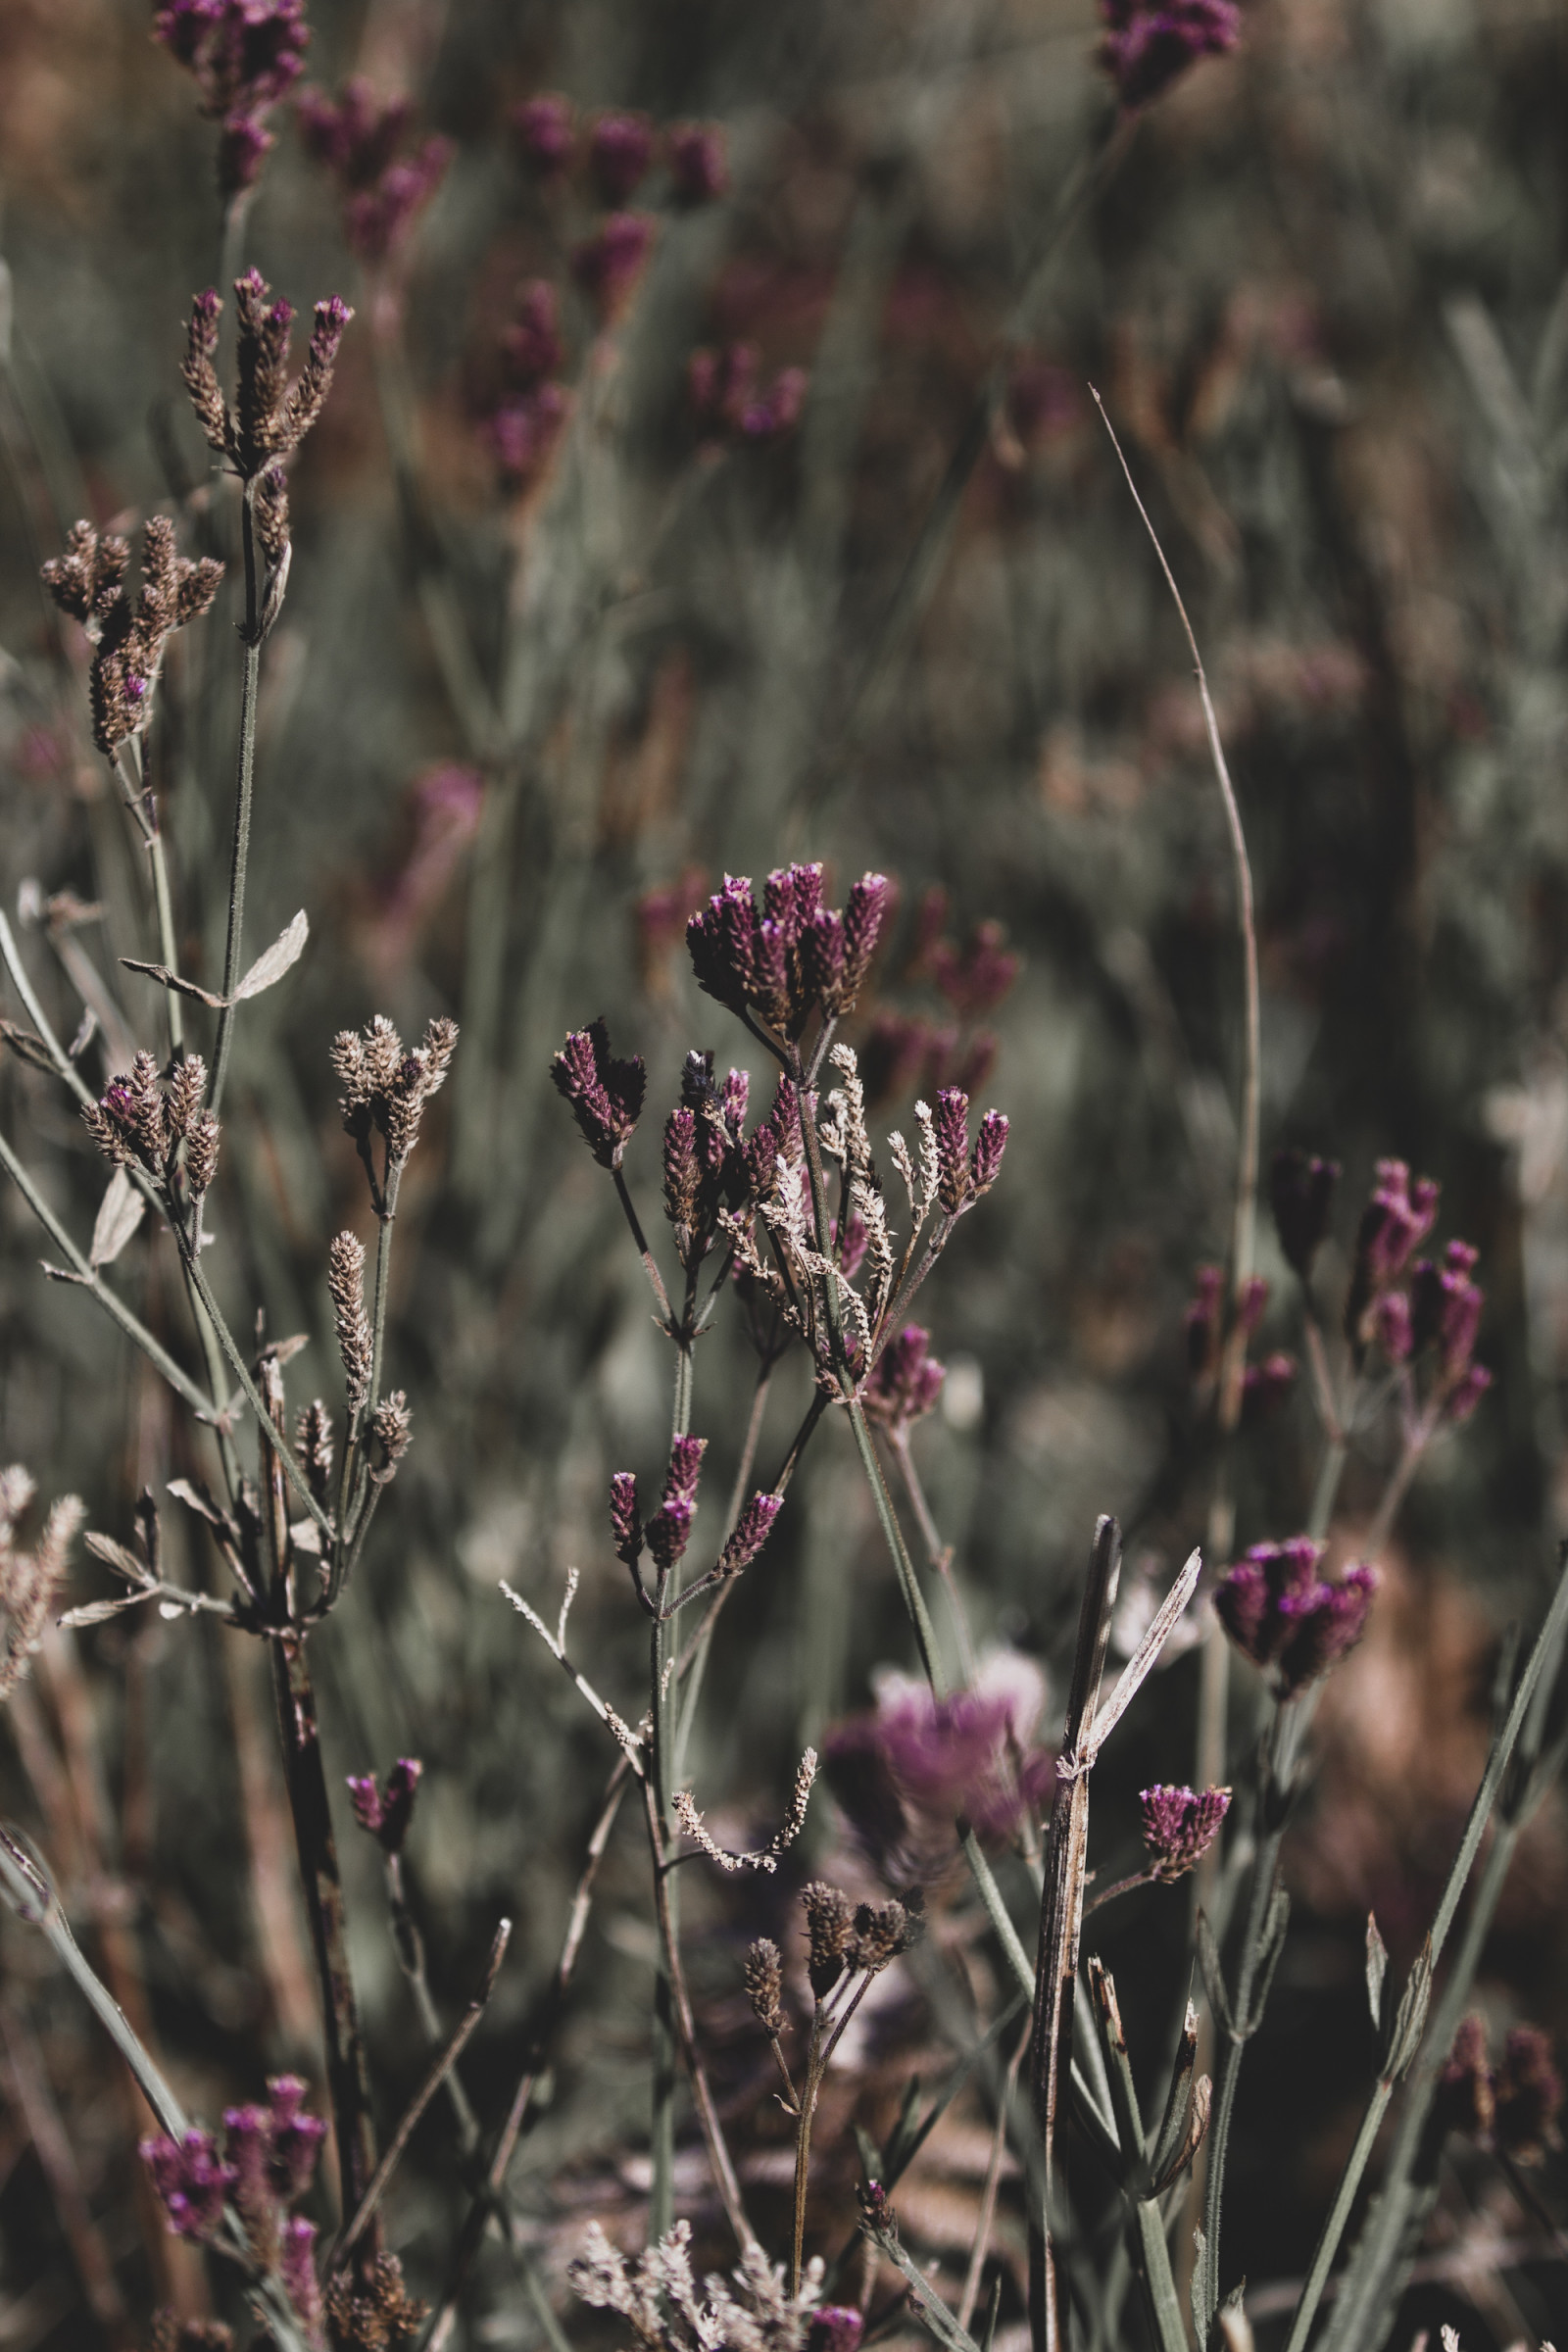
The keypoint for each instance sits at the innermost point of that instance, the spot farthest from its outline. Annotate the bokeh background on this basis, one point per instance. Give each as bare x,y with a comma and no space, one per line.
522,704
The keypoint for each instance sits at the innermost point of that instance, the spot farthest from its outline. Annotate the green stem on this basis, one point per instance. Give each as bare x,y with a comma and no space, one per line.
661,1708
280,1445
239,857
914,1598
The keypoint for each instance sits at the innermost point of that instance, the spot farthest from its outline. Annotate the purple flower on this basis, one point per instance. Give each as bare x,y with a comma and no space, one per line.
608,266
546,131
951,1129
626,1527
1251,1299
698,161
387,1813
985,1159
531,346
905,1774
1445,1308
905,1382
1394,1223
296,2137
300,2281
248,2145
357,134
245,55
777,411
834,2328
522,432
620,148
670,1529
376,220
1265,1386
1145,49
1180,1825
719,386
1288,1620
750,1534
1463,1399
864,912
1463,2099
1391,1326
192,2180
606,1095
974,979
1301,1193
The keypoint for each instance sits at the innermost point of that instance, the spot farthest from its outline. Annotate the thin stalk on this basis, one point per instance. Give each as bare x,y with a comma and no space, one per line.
347,2075
718,2156
938,1555
1061,1921
693,1666
486,2203
147,825
650,1262
988,2198
445,2060
914,1598
662,1831
239,856
279,1444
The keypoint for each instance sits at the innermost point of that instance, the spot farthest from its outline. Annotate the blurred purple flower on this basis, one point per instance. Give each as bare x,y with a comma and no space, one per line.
192,2180
608,266
974,979
620,148
698,161
1202,1321
1301,1195
1527,2094
903,1775
522,431
546,128
1266,1386
245,55
1145,48
386,1812
1394,1222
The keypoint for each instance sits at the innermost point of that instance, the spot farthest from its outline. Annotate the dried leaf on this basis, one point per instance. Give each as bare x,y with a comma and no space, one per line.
97,1612
276,960
305,1536
119,1212
168,979
27,1046
124,1563
197,1499
1377,1968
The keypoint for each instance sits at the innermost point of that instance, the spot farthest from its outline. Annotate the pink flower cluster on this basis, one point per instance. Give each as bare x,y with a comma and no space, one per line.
1287,1618
358,137
245,55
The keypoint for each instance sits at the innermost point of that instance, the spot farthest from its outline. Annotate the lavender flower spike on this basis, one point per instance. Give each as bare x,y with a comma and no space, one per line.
1180,1825
750,1534
192,2180
606,1095
387,1813
906,1381
300,2281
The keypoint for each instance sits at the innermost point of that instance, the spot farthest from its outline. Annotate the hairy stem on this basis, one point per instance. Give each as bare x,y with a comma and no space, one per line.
239,856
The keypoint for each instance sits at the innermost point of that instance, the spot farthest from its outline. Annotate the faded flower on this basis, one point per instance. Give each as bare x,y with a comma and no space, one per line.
905,1774
29,1580
128,640
657,2294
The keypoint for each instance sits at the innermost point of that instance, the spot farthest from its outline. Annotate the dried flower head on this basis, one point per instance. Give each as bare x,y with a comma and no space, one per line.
157,1123
883,1930
764,1985
606,1095
29,1580
345,1280
392,1430
371,2310
1180,1825
270,415
386,1812
128,640
831,1929
1288,1620
1149,44
312,1448
657,2297
752,1531
192,2181
386,1085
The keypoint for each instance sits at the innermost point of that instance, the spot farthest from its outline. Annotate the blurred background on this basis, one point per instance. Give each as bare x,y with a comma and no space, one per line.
572,632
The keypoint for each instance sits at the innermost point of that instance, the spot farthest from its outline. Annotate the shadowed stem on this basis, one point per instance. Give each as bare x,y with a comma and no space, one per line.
693,1665
489,2198
938,1555
347,2076
1061,1921
661,1832
239,856
134,789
